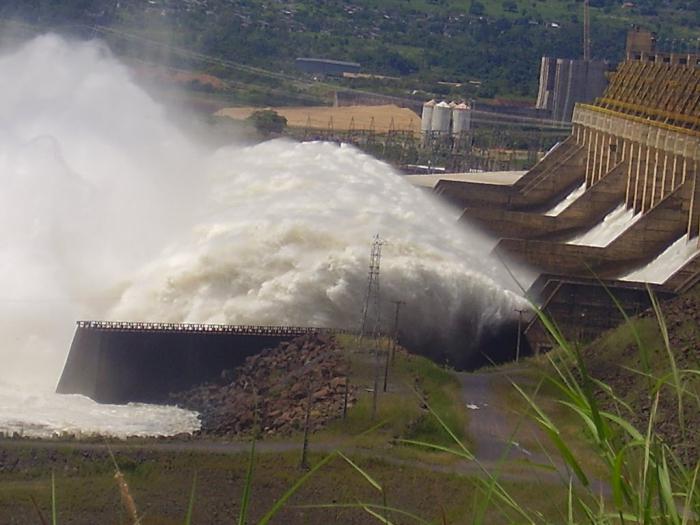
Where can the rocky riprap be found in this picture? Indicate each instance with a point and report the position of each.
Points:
(270, 391)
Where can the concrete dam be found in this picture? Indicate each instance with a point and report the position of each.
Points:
(616, 204)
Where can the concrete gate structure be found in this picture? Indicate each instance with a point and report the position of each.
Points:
(637, 149)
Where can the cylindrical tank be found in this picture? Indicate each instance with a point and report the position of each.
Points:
(441, 117)
(461, 119)
(426, 120)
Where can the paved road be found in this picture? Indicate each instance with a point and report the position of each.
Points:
(496, 430)
(502, 437)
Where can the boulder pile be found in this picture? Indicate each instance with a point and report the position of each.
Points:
(270, 392)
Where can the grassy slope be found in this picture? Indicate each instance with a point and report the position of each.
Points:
(616, 360)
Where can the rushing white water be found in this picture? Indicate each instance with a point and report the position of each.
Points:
(667, 263)
(110, 211)
(41, 414)
(566, 201)
(603, 233)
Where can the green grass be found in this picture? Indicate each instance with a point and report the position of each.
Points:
(163, 493)
(401, 412)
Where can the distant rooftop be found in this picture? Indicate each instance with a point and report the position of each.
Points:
(504, 178)
(328, 61)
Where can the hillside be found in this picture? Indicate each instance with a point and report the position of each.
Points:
(495, 43)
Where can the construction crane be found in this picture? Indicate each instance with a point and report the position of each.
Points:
(586, 31)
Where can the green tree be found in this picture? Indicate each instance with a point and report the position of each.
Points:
(268, 122)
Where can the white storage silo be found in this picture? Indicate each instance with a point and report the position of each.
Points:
(441, 118)
(461, 119)
(426, 119)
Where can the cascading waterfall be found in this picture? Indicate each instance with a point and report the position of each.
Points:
(108, 210)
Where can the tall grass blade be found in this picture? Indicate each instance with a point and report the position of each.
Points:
(672, 360)
(362, 505)
(127, 499)
(245, 498)
(554, 435)
(190, 505)
(690, 497)
(646, 488)
(666, 491)
(363, 472)
(376, 515)
(433, 446)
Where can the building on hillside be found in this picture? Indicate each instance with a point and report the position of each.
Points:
(325, 67)
(564, 82)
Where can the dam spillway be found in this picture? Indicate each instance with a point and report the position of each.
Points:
(625, 188)
(122, 362)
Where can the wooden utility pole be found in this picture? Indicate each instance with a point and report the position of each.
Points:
(389, 351)
(304, 463)
(395, 331)
(392, 342)
(375, 388)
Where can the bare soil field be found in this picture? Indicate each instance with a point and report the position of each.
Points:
(380, 118)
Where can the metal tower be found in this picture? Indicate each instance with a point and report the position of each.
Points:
(372, 325)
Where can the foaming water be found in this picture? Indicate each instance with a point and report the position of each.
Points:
(110, 211)
(606, 231)
(672, 259)
(567, 201)
(41, 414)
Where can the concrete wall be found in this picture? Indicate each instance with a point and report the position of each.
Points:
(582, 214)
(538, 188)
(686, 277)
(582, 309)
(640, 243)
(112, 366)
(576, 81)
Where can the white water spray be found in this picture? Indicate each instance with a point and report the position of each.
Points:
(566, 201)
(109, 211)
(611, 227)
(668, 262)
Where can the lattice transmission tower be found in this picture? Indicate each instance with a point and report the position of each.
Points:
(371, 313)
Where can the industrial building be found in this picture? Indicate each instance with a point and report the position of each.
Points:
(325, 67)
(565, 82)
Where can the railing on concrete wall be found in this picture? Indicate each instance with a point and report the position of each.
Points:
(130, 326)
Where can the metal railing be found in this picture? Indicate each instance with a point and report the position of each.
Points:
(269, 330)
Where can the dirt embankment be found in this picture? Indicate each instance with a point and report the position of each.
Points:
(616, 360)
(271, 391)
